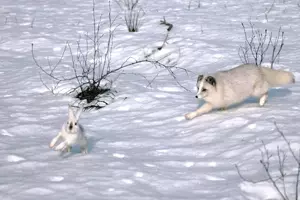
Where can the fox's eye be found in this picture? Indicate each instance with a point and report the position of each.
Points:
(75, 123)
(203, 90)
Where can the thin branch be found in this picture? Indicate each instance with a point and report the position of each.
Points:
(170, 26)
(288, 143)
(266, 167)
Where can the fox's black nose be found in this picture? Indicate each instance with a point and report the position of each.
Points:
(196, 96)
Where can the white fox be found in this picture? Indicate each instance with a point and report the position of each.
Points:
(225, 88)
(71, 133)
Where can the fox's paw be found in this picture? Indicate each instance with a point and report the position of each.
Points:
(190, 115)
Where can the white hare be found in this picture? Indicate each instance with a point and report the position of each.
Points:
(71, 133)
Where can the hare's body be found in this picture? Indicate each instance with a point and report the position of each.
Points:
(71, 133)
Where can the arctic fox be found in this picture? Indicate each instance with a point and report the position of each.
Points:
(225, 88)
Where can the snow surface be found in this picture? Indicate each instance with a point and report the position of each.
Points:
(141, 147)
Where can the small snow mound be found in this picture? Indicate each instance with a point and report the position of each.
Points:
(189, 164)
(56, 178)
(39, 191)
(236, 121)
(219, 56)
(127, 181)
(139, 174)
(137, 121)
(179, 119)
(118, 155)
(169, 89)
(259, 191)
(214, 178)
(252, 126)
(5, 133)
(123, 108)
(162, 150)
(14, 158)
(212, 164)
(149, 165)
(57, 49)
(160, 96)
(139, 99)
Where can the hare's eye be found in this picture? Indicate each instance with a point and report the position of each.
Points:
(75, 123)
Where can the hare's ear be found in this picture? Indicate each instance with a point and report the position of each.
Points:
(71, 113)
(78, 113)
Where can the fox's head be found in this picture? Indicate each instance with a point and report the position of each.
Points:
(206, 87)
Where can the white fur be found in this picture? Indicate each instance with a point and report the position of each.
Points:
(237, 84)
(71, 133)
(199, 96)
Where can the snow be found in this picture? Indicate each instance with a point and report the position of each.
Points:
(140, 146)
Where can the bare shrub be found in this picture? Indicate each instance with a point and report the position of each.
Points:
(257, 46)
(268, 10)
(91, 69)
(190, 4)
(279, 173)
(133, 14)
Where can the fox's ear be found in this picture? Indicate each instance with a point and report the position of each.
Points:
(211, 80)
(200, 77)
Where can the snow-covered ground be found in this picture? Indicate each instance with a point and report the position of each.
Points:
(141, 147)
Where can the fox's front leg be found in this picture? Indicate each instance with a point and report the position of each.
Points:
(207, 107)
(54, 140)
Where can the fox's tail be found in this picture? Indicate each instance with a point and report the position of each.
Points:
(277, 77)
